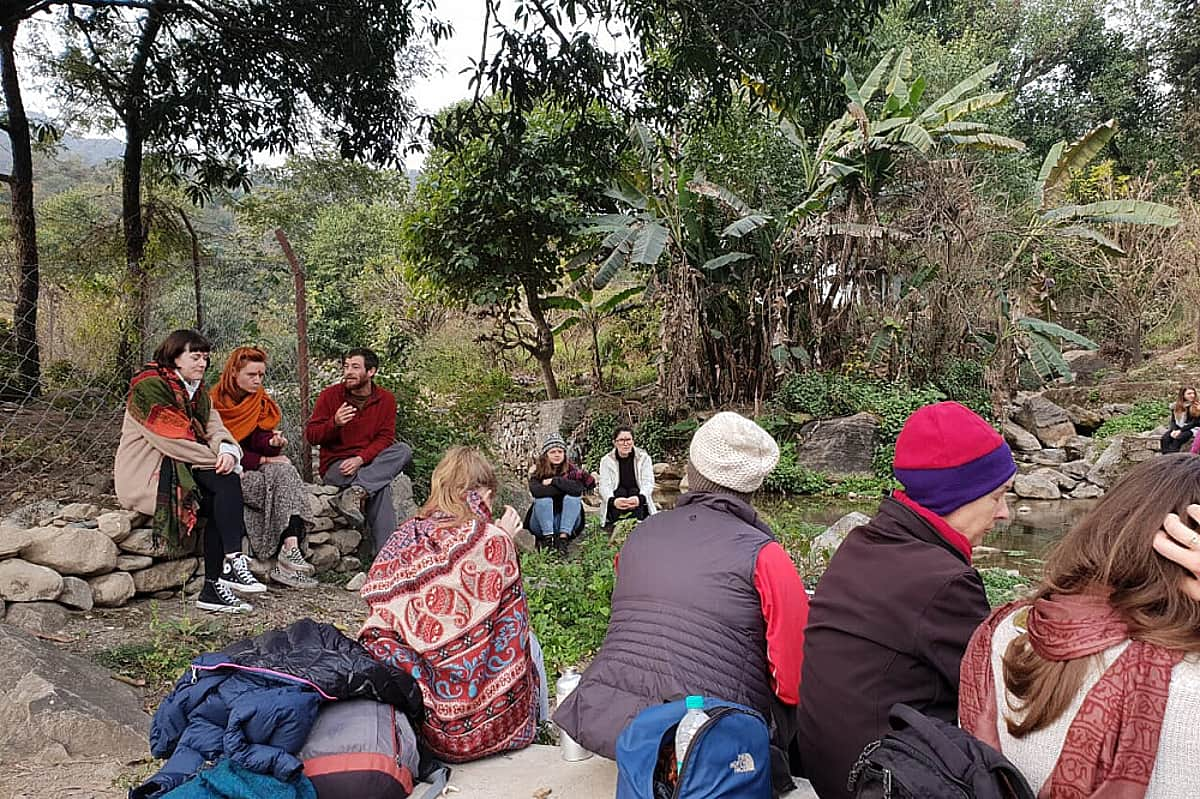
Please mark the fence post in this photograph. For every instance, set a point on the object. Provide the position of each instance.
(301, 347)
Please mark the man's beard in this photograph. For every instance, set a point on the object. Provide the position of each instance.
(354, 383)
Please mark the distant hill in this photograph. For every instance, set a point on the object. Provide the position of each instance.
(90, 152)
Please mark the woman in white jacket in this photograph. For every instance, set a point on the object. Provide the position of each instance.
(626, 483)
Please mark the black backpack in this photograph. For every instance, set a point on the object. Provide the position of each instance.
(927, 758)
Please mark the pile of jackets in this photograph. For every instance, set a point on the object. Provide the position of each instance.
(255, 702)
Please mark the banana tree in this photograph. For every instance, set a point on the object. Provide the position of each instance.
(586, 307)
(1020, 336)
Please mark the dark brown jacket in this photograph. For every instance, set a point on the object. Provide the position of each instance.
(888, 623)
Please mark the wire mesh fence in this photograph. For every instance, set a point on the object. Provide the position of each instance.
(58, 433)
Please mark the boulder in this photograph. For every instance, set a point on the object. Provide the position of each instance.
(1078, 447)
(1086, 420)
(1087, 491)
(1076, 470)
(22, 581)
(117, 524)
(141, 542)
(35, 514)
(346, 541)
(78, 511)
(319, 524)
(76, 594)
(39, 618)
(356, 582)
(843, 446)
(323, 557)
(1045, 420)
(1049, 457)
(112, 590)
(1020, 439)
(667, 471)
(13, 539)
(352, 564)
(131, 563)
(833, 536)
(164, 576)
(402, 497)
(51, 699)
(72, 550)
(316, 539)
(1035, 486)
(316, 507)
(1122, 453)
(1063, 482)
(1087, 365)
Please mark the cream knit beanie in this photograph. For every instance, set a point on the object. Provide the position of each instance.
(734, 452)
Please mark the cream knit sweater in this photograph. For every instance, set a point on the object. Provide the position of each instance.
(1175, 774)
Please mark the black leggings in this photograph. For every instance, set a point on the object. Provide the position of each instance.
(224, 525)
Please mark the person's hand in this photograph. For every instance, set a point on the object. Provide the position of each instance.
(510, 521)
(344, 414)
(350, 466)
(1175, 434)
(278, 440)
(1178, 542)
(547, 481)
(225, 463)
(276, 459)
(621, 503)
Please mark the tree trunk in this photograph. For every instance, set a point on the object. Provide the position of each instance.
(597, 367)
(543, 349)
(195, 269)
(679, 334)
(24, 221)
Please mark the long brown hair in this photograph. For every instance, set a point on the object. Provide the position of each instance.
(543, 468)
(1181, 403)
(227, 383)
(462, 469)
(1110, 551)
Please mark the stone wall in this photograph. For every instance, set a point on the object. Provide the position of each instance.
(55, 558)
(518, 428)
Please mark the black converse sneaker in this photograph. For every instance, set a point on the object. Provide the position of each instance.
(218, 598)
(235, 574)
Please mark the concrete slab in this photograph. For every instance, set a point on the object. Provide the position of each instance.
(528, 773)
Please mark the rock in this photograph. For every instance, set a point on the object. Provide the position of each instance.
(352, 564)
(35, 514)
(667, 471)
(131, 563)
(22, 581)
(164, 576)
(78, 511)
(1020, 439)
(194, 585)
(1045, 420)
(1114, 409)
(525, 541)
(1087, 491)
(53, 699)
(76, 594)
(323, 490)
(1076, 470)
(39, 618)
(141, 542)
(116, 525)
(1108, 467)
(319, 524)
(833, 536)
(356, 582)
(843, 446)
(112, 590)
(1087, 365)
(316, 539)
(1085, 420)
(1063, 482)
(1078, 447)
(402, 497)
(323, 557)
(315, 508)
(1035, 486)
(346, 541)
(1049, 457)
(72, 550)
(13, 539)
(260, 568)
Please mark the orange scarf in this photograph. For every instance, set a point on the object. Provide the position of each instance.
(255, 411)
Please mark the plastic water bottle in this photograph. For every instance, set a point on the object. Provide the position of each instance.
(692, 721)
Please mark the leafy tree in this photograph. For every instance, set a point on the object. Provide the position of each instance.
(206, 84)
(491, 221)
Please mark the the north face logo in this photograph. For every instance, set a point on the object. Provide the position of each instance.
(744, 764)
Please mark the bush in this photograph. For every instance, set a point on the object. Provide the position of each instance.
(1003, 586)
(1144, 416)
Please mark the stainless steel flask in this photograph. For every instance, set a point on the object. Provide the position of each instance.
(571, 751)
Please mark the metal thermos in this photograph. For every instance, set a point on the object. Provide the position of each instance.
(571, 751)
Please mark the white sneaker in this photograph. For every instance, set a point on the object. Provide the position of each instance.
(292, 579)
(236, 574)
(293, 558)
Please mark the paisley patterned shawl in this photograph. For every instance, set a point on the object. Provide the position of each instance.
(447, 605)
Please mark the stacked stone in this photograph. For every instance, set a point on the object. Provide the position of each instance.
(56, 558)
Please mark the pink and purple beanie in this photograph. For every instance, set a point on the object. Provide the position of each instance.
(947, 456)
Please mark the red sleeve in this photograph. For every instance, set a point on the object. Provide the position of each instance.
(785, 609)
(321, 429)
(385, 432)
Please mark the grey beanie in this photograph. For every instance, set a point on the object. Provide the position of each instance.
(553, 441)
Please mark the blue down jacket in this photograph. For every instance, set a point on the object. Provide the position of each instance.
(256, 700)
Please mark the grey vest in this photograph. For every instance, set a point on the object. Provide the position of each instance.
(686, 619)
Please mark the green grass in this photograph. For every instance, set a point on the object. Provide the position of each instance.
(1002, 587)
(1144, 416)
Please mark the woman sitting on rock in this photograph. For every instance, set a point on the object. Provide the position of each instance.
(1092, 686)
(557, 486)
(447, 605)
(1185, 418)
(271, 487)
(176, 461)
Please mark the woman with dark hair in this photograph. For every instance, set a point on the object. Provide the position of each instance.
(557, 486)
(447, 605)
(1185, 418)
(271, 487)
(176, 462)
(1092, 685)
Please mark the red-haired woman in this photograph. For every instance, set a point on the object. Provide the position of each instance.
(1092, 686)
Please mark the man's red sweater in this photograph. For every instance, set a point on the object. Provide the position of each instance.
(370, 432)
